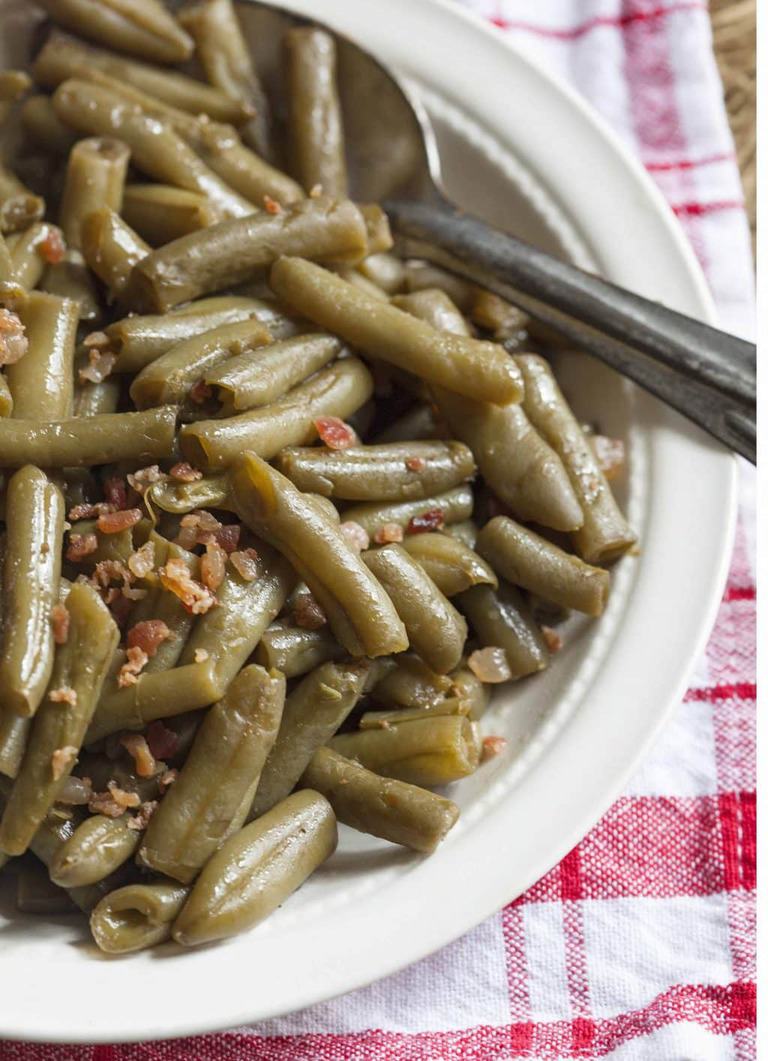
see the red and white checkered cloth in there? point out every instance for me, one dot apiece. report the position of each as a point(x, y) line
point(640, 944)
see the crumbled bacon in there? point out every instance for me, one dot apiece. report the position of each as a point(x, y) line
point(107, 571)
point(148, 635)
point(552, 639)
point(96, 341)
point(246, 563)
point(88, 511)
point(185, 473)
point(163, 742)
point(354, 535)
point(13, 338)
point(100, 365)
point(80, 546)
point(144, 761)
point(388, 532)
point(64, 695)
point(52, 248)
point(492, 746)
point(60, 623)
point(144, 477)
point(114, 522)
point(114, 802)
point(307, 613)
point(431, 520)
point(200, 393)
point(228, 536)
point(168, 779)
point(335, 433)
point(197, 528)
point(490, 665)
point(121, 607)
point(62, 761)
point(201, 655)
point(136, 660)
point(272, 206)
point(116, 492)
point(415, 464)
point(141, 820)
point(194, 596)
point(142, 561)
point(213, 566)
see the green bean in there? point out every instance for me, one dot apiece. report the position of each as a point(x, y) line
point(118, 546)
point(95, 179)
point(453, 506)
point(604, 534)
point(501, 618)
point(338, 390)
point(417, 423)
point(156, 148)
point(254, 380)
point(26, 251)
point(478, 369)
point(452, 705)
point(508, 323)
point(352, 276)
point(425, 752)
point(317, 137)
point(96, 399)
point(43, 125)
point(385, 270)
point(14, 732)
point(312, 714)
point(98, 847)
point(465, 531)
point(63, 57)
point(111, 249)
point(137, 916)
point(180, 498)
point(140, 27)
point(79, 669)
point(6, 398)
point(13, 85)
point(41, 382)
point(37, 894)
point(410, 683)
point(436, 631)
point(451, 564)
point(257, 869)
point(294, 650)
point(377, 226)
point(471, 692)
point(230, 251)
point(436, 308)
point(19, 207)
point(420, 276)
point(171, 377)
point(71, 278)
point(141, 437)
point(11, 285)
point(530, 561)
point(393, 810)
point(31, 569)
point(222, 772)
point(359, 612)
point(160, 213)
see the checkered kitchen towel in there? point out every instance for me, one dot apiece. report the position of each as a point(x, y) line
point(640, 944)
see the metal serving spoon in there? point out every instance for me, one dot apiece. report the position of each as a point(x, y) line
point(706, 374)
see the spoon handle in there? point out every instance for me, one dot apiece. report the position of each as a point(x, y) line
point(706, 374)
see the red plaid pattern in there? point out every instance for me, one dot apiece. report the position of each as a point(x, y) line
point(640, 944)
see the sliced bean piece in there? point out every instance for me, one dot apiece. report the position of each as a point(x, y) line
point(501, 618)
point(19, 206)
point(140, 27)
point(137, 916)
point(111, 249)
point(294, 650)
point(409, 682)
point(451, 507)
point(451, 564)
point(43, 125)
point(41, 382)
point(161, 213)
point(95, 179)
point(98, 847)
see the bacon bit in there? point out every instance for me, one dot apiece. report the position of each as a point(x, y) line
point(415, 464)
point(431, 520)
point(167, 779)
point(187, 536)
point(388, 532)
point(107, 571)
point(140, 821)
point(200, 393)
point(354, 535)
point(307, 613)
point(100, 365)
point(196, 598)
point(185, 473)
point(76, 791)
point(116, 492)
point(148, 635)
point(60, 623)
point(13, 338)
point(114, 802)
point(144, 477)
point(144, 761)
point(96, 340)
point(62, 760)
point(142, 561)
point(121, 608)
point(272, 206)
point(163, 742)
point(492, 746)
point(552, 639)
point(87, 511)
point(335, 433)
point(80, 546)
point(64, 695)
point(52, 248)
point(213, 566)
point(490, 665)
point(114, 522)
point(610, 455)
point(228, 537)
point(197, 528)
point(132, 668)
point(245, 562)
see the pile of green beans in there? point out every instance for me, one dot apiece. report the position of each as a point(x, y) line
point(277, 508)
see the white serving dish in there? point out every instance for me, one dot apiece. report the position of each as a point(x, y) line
point(527, 154)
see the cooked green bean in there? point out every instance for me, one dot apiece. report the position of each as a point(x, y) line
point(451, 507)
point(338, 390)
point(140, 27)
point(37, 894)
point(526, 559)
point(98, 847)
point(6, 398)
point(163, 605)
point(137, 916)
point(257, 869)
point(96, 399)
point(27, 249)
point(230, 251)
point(31, 570)
point(408, 682)
point(471, 692)
point(481, 370)
point(604, 534)
point(451, 564)
point(436, 308)
point(170, 378)
point(360, 613)
point(43, 125)
point(352, 276)
point(436, 631)
point(111, 248)
point(384, 270)
point(401, 471)
point(144, 436)
point(41, 382)
point(452, 705)
point(426, 752)
point(160, 213)
point(465, 531)
point(11, 285)
point(14, 732)
point(254, 380)
point(312, 714)
point(71, 278)
point(501, 619)
point(79, 668)
point(156, 148)
point(317, 136)
point(222, 770)
point(180, 498)
point(95, 179)
point(19, 207)
point(294, 650)
point(420, 276)
point(384, 807)
point(117, 546)
point(13, 85)
point(418, 423)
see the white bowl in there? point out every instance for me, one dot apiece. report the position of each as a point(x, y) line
point(527, 154)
